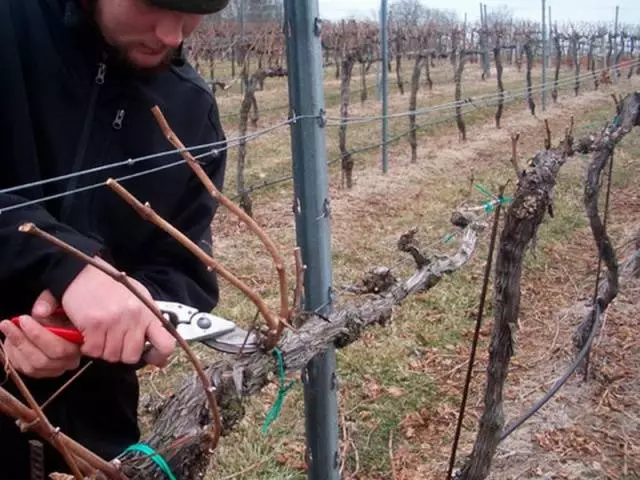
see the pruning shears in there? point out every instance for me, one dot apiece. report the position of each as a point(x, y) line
point(192, 325)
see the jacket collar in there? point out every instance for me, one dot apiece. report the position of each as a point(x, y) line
point(74, 12)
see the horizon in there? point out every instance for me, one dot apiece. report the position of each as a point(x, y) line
point(561, 12)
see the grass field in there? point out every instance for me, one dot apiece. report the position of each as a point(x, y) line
point(400, 386)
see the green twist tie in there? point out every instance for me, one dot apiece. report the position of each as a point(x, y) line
point(274, 412)
point(448, 238)
point(485, 191)
point(155, 457)
point(490, 206)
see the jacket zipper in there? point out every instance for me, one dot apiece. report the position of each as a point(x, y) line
point(84, 139)
point(117, 122)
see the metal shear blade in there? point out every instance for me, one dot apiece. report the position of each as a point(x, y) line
point(235, 341)
point(211, 330)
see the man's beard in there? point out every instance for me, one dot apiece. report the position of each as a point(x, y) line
point(119, 57)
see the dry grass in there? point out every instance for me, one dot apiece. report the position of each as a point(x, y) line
point(406, 380)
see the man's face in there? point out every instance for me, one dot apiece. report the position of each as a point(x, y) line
point(144, 35)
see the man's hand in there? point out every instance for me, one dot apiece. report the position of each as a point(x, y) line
point(33, 350)
point(114, 322)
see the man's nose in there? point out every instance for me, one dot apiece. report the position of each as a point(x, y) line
point(169, 30)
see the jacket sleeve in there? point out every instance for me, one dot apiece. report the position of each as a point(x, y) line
point(27, 263)
point(169, 270)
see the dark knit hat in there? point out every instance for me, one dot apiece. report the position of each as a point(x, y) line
point(202, 7)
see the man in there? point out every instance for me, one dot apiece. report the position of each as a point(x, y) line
point(78, 81)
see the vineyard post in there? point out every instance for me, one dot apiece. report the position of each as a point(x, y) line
point(487, 67)
point(548, 38)
point(379, 79)
point(544, 56)
point(615, 46)
point(242, 12)
point(384, 39)
point(464, 32)
point(482, 40)
point(312, 213)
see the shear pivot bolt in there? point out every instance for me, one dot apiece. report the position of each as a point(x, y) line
point(204, 323)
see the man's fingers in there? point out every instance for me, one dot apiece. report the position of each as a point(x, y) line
point(12, 333)
point(36, 352)
point(44, 305)
point(162, 341)
point(154, 357)
point(133, 346)
point(17, 361)
point(113, 344)
point(51, 345)
point(29, 357)
point(94, 341)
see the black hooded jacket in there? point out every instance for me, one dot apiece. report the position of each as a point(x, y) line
point(66, 106)
point(66, 109)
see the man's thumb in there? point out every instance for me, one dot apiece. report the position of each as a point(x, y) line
point(163, 344)
point(44, 305)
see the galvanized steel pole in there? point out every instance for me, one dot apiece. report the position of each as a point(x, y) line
point(615, 47)
point(312, 213)
point(384, 39)
point(487, 60)
point(481, 41)
point(544, 56)
point(244, 58)
point(549, 38)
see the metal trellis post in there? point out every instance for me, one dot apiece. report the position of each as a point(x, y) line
point(242, 12)
point(487, 61)
point(544, 56)
point(481, 40)
point(384, 39)
point(550, 29)
point(615, 46)
point(312, 212)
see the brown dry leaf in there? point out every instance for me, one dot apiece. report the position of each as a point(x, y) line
point(546, 441)
point(568, 441)
point(396, 392)
point(414, 419)
point(372, 388)
point(414, 365)
point(364, 414)
point(293, 457)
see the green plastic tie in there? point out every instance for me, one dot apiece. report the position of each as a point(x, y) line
point(490, 206)
point(155, 457)
point(485, 191)
point(448, 238)
point(616, 121)
point(274, 412)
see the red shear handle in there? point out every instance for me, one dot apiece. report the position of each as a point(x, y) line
point(70, 334)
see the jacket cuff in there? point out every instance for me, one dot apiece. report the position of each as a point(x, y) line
point(66, 266)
